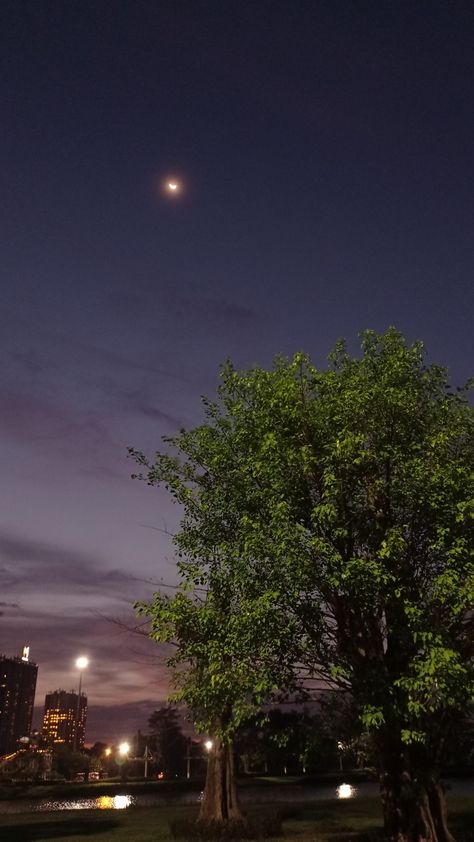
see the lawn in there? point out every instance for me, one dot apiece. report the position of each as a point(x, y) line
point(326, 821)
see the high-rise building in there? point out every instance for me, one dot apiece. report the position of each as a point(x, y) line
point(17, 697)
point(63, 712)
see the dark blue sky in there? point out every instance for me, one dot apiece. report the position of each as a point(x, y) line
point(326, 151)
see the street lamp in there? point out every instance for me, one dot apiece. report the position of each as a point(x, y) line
point(81, 664)
point(340, 747)
point(208, 745)
point(122, 761)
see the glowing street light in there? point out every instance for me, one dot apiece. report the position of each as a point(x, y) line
point(108, 752)
point(124, 749)
point(208, 745)
point(81, 664)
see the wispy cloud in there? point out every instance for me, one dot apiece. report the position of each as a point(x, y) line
point(26, 415)
point(215, 309)
point(114, 359)
point(18, 549)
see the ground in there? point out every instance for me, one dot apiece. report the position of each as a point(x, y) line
point(326, 821)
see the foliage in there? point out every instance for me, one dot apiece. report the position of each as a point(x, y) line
point(227, 657)
point(305, 740)
point(67, 763)
point(284, 742)
point(98, 749)
point(329, 518)
point(340, 502)
point(167, 741)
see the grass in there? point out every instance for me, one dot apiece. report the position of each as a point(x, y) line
point(324, 821)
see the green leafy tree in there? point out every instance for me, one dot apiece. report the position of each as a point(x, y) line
point(223, 665)
point(343, 499)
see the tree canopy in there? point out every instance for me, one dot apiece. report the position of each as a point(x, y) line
point(329, 516)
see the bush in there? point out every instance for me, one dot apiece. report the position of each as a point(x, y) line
point(258, 826)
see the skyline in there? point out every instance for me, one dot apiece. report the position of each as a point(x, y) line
point(325, 153)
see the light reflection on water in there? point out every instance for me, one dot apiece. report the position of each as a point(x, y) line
point(117, 802)
point(255, 795)
point(103, 802)
point(249, 794)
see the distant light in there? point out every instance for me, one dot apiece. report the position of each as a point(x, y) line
point(345, 791)
point(124, 748)
point(208, 744)
point(25, 654)
point(108, 752)
point(172, 185)
point(82, 663)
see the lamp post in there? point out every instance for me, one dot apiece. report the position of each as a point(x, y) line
point(147, 755)
point(340, 746)
point(81, 664)
point(123, 750)
point(209, 745)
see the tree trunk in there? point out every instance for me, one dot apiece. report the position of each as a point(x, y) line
point(220, 804)
point(412, 812)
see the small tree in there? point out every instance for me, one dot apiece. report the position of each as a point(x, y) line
point(223, 665)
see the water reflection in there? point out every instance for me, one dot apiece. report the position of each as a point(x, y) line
point(103, 802)
point(82, 804)
point(249, 795)
point(121, 801)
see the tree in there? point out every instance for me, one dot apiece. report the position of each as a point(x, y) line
point(224, 664)
point(68, 763)
point(283, 742)
point(346, 498)
point(167, 741)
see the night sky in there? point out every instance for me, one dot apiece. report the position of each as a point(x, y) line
point(326, 155)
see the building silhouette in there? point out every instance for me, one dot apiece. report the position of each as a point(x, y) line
point(62, 713)
point(17, 697)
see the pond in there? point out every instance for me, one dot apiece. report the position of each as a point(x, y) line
point(278, 793)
